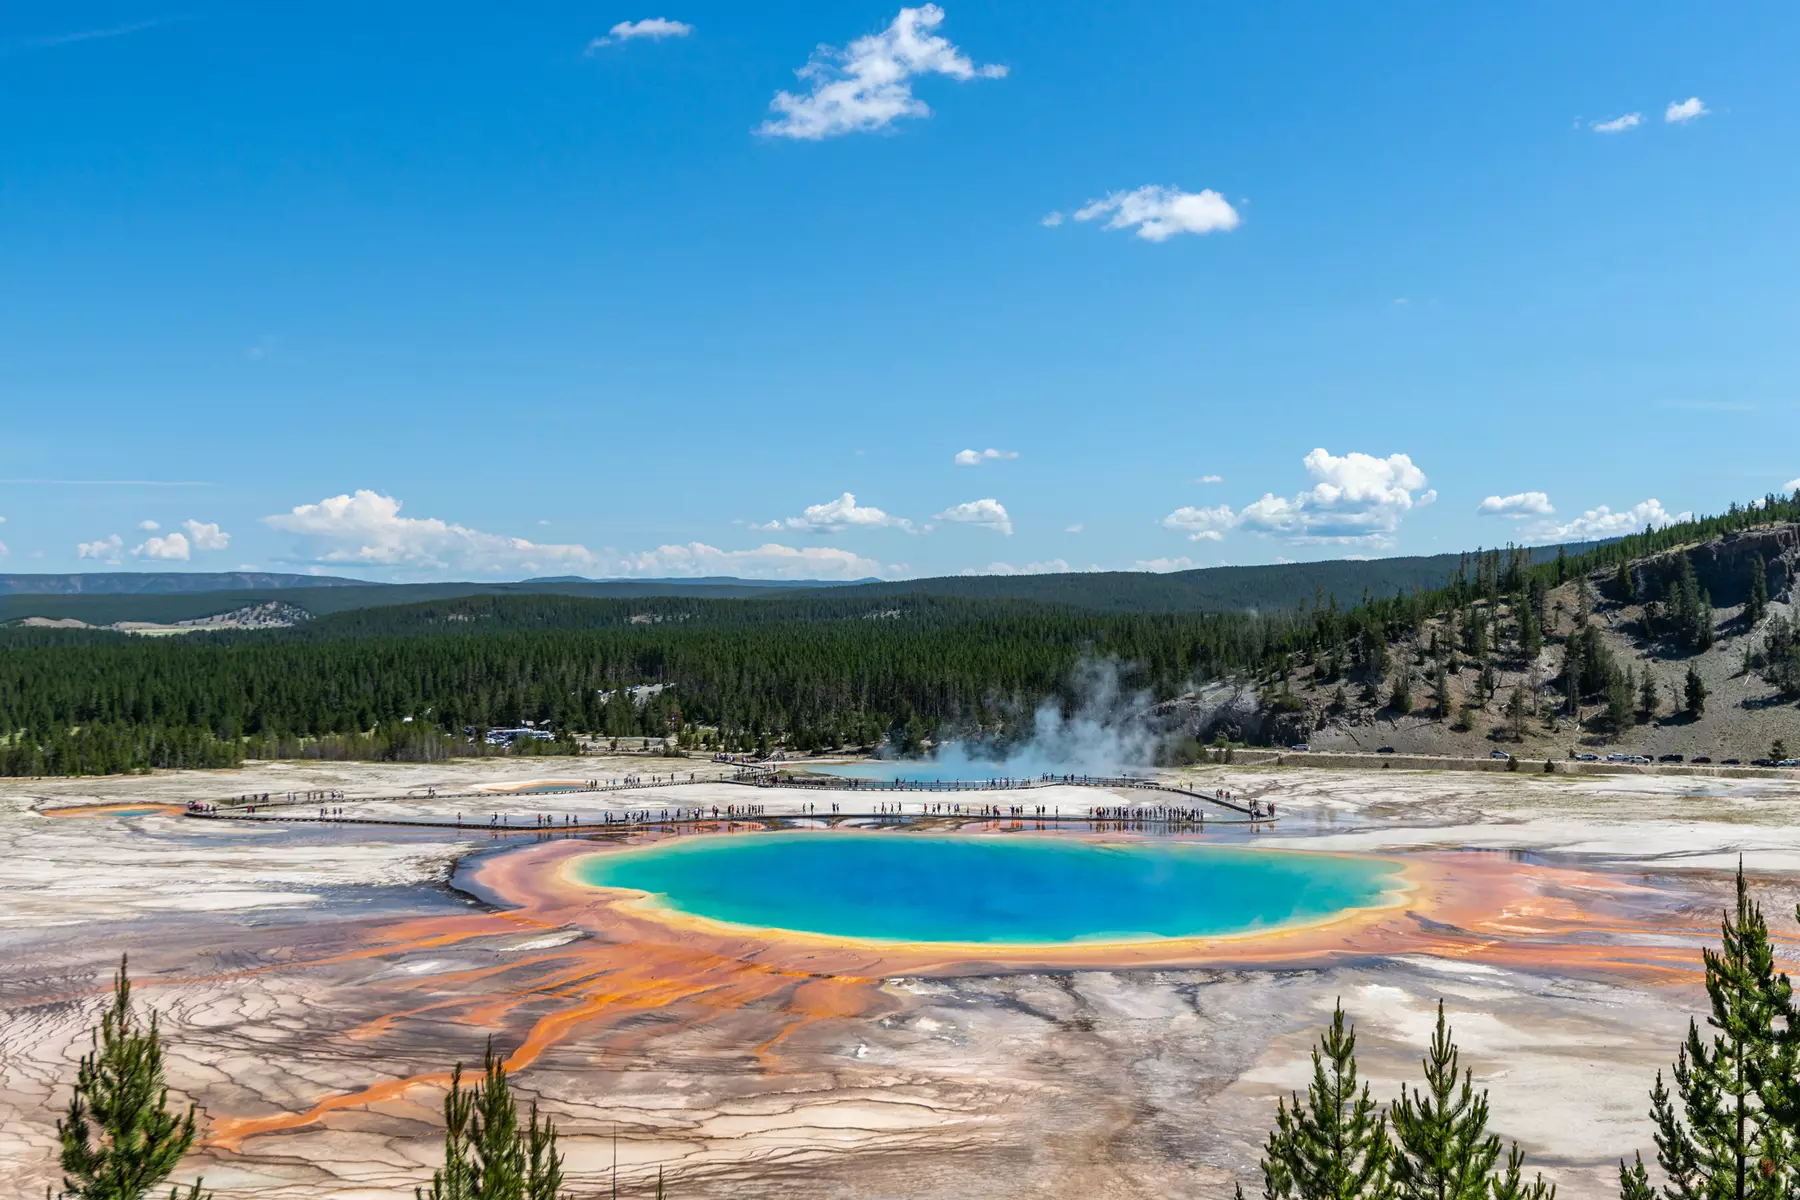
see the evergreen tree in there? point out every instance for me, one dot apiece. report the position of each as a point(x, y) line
point(1515, 714)
point(1443, 1150)
point(1715, 1139)
point(1511, 1185)
point(1634, 1181)
point(1402, 699)
point(1756, 604)
point(1624, 587)
point(1333, 1145)
point(486, 1155)
point(1619, 691)
point(1648, 698)
point(120, 1139)
point(457, 1179)
point(1695, 692)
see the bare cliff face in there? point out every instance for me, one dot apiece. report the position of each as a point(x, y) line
point(1723, 566)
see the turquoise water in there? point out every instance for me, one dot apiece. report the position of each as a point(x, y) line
point(1011, 890)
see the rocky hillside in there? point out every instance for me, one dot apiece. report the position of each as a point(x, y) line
point(1682, 652)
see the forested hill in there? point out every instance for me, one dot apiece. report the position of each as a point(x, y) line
point(1270, 588)
point(808, 670)
point(103, 599)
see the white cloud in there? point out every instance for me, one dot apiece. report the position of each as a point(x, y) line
point(1356, 499)
point(1202, 524)
point(1075, 528)
point(106, 550)
point(1163, 566)
point(988, 513)
point(1159, 213)
point(769, 561)
point(1211, 479)
point(835, 515)
point(1056, 566)
point(1630, 120)
point(1051, 220)
point(367, 528)
point(149, 526)
point(206, 535)
point(1792, 485)
point(974, 458)
point(868, 84)
point(1518, 506)
point(1603, 522)
point(653, 28)
point(173, 548)
point(1680, 112)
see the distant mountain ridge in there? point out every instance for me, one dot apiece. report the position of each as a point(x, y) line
point(172, 596)
point(148, 583)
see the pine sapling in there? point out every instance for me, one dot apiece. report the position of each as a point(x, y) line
point(1332, 1145)
point(120, 1138)
point(1443, 1148)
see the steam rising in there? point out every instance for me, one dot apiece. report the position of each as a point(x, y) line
point(1109, 732)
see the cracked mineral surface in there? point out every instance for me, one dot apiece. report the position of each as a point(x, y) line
point(317, 981)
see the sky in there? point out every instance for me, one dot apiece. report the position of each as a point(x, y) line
point(850, 289)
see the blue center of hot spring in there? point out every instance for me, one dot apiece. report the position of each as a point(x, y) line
point(1002, 890)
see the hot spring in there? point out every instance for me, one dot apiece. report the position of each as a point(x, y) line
point(1016, 890)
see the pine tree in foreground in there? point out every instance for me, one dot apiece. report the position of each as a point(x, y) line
point(1333, 1145)
point(1443, 1148)
point(486, 1155)
point(120, 1139)
point(1716, 1138)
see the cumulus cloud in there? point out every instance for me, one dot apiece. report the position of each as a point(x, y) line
point(836, 515)
point(1792, 485)
point(1056, 566)
point(1211, 479)
point(1159, 213)
point(1603, 522)
point(1356, 499)
point(974, 458)
point(206, 535)
point(1202, 524)
point(1518, 506)
point(1680, 112)
point(148, 526)
point(1163, 566)
point(106, 550)
point(173, 548)
point(771, 561)
point(1630, 120)
point(1051, 220)
point(988, 513)
point(367, 528)
point(868, 84)
point(653, 28)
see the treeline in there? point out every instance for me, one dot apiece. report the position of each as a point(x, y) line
point(820, 669)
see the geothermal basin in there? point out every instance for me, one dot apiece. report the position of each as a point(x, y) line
point(1030, 889)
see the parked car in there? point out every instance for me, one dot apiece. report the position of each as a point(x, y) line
point(1701, 758)
point(1670, 758)
point(1789, 762)
point(1498, 754)
point(1731, 762)
point(1618, 758)
point(1299, 746)
point(1587, 758)
point(1762, 762)
point(1384, 749)
point(1637, 760)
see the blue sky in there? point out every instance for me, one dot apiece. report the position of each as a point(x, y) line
point(460, 291)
